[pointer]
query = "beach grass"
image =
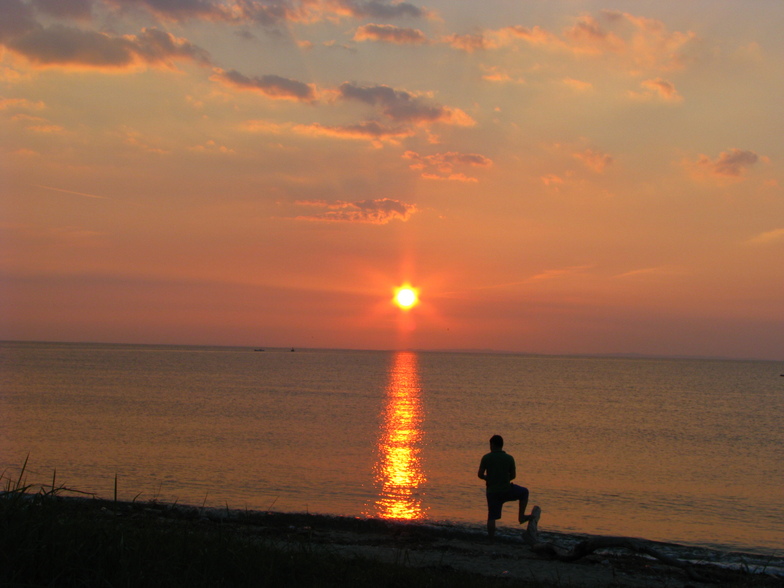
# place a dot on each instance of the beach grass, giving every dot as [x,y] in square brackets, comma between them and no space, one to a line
[53,536]
[48,540]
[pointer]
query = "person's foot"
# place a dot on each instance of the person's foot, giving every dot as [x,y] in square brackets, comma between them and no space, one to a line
[525,518]
[533,524]
[531,535]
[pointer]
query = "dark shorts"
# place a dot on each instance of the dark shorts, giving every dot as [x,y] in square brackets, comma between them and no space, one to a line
[495,500]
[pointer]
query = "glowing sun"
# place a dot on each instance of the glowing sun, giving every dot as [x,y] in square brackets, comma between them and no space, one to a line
[406,297]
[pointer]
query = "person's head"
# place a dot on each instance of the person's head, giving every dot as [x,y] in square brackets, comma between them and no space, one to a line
[496,442]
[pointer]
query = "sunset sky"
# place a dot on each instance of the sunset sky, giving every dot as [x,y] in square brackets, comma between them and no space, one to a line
[553,176]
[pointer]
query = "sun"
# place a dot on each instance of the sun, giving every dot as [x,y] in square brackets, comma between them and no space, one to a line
[406,297]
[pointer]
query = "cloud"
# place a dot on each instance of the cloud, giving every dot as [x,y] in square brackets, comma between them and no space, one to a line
[441,166]
[497,75]
[768,237]
[372,131]
[136,140]
[17,19]
[489,39]
[272,12]
[20,104]
[390,34]
[263,126]
[552,180]
[641,43]
[644,41]
[78,9]
[730,164]
[469,43]
[157,46]
[734,162]
[533,36]
[404,110]
[578,85]
[657,88]
[402,106]
[272,86]
[180,10]
[68,46]
[379,212]
[377,9]
[212,147]
[46,129]
[594,160]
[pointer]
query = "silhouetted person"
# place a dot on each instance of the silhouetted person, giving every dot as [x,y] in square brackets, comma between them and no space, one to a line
[497,469]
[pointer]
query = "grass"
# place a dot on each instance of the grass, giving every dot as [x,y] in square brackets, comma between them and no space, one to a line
[48,540]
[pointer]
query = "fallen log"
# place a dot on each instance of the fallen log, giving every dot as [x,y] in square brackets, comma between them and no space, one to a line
[592,544]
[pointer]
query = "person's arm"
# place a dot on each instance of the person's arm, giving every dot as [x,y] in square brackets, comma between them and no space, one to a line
[482,470]
[512,470]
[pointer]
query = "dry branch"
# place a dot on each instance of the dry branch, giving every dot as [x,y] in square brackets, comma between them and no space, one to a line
[592,544]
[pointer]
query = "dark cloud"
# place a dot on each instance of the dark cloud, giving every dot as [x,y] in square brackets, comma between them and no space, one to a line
[378,9]
[179,9]
[16,19]
[265,12]
[64,46]
[155,46]
[80,9]
[402,106]
[270,85]
[733,162]
[379,211]
[730,165]
[271,12]
[59,45]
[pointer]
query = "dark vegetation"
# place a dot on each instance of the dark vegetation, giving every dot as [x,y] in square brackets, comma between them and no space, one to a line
[48,539]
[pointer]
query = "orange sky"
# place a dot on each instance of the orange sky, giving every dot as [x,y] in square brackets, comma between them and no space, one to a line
[555,176]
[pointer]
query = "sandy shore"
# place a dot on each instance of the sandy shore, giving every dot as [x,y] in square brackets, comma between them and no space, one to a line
[459,548]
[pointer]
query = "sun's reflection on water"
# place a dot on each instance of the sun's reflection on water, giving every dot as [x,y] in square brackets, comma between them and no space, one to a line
[398,470]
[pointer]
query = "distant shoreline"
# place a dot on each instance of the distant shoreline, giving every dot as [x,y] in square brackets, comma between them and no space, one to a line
[531,354]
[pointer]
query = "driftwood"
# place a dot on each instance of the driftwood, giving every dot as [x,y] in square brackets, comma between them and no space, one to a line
[588,546]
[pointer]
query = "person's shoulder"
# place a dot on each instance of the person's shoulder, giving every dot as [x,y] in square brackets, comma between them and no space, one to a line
[494,454]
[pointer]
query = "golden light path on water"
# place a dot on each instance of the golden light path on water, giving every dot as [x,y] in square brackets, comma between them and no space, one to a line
[398,470]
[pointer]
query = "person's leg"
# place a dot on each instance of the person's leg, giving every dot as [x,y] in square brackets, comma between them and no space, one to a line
[523,500]
[490,528]
[494,506]
[521,516]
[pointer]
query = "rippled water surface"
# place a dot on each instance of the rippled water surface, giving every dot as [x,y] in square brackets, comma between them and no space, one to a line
[687,451]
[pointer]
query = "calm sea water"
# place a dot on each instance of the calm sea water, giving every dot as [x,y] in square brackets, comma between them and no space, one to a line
[688,451]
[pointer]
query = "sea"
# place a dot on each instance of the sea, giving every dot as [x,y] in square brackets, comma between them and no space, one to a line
[686,451]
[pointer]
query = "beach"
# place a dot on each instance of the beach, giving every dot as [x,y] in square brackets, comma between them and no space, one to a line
[410,547]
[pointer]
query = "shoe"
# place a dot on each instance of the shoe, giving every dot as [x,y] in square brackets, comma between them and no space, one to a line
[533,523]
